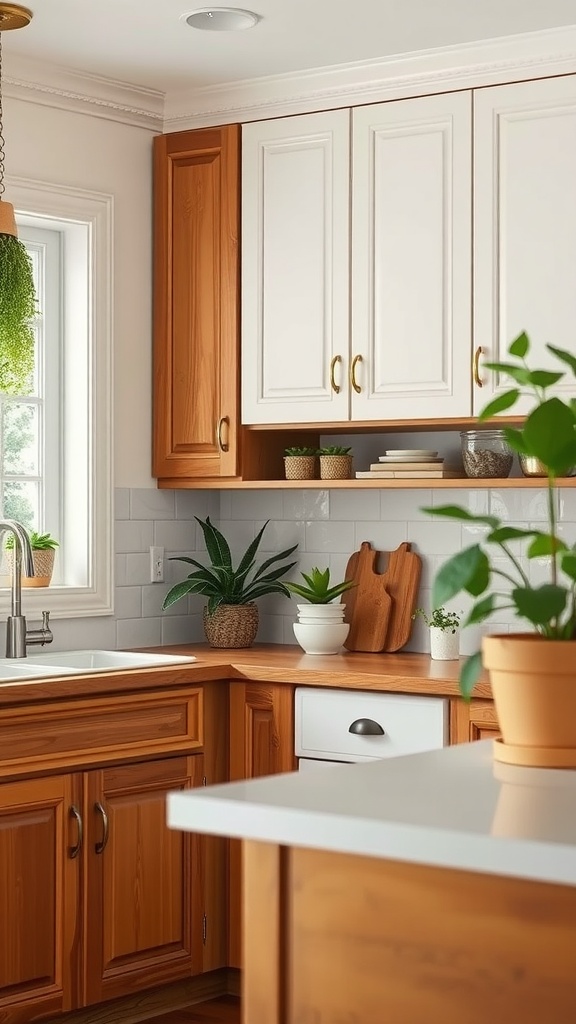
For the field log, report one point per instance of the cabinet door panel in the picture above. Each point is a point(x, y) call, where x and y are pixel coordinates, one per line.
point(144, 921)
point(295, 201)
point(525, 224)
point(39, 897)
point(411, 258)
point(196, 358)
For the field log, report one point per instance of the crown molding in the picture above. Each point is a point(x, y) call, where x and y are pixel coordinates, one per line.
point(67, 89)
point(446, 69)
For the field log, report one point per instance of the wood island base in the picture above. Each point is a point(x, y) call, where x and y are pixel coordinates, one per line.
point(331, 938)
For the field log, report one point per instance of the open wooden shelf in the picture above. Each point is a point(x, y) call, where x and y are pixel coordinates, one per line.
point(414, 482)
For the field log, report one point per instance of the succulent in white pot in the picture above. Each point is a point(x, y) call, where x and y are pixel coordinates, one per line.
point(320, 628)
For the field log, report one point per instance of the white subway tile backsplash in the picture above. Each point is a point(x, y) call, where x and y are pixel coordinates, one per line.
point(475, 501)
point(127, 602)
point(399, 505)
point(382, 536)
point(122, 503)
point(182, 629)
point(177, 536)
point(306, 505)
point(515, 505)
point(197, 503)
point(279, 536)
point(152, 597)
point(256, 505)
point(133, 535)
point(352, 505)
point(435, 537)
point(137, 571)
point(567, 504)
point(238, 533)
point(149, 504)
point(139, 633)
point(329, 536)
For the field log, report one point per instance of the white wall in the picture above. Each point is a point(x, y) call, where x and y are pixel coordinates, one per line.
point(83, 151)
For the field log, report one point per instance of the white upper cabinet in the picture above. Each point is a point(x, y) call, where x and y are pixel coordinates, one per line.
point(411, 258)
point(295, 252)
point(524, 225)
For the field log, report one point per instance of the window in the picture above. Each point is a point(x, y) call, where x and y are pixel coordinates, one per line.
point(55, 440)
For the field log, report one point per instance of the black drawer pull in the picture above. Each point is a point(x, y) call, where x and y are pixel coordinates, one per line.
point(366, 727)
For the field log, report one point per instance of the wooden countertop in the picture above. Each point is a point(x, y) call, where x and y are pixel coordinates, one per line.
point(403, 672)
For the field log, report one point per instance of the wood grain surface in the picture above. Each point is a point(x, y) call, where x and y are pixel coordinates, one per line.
point(380, 606)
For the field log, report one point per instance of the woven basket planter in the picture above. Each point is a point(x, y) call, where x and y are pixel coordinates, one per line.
point(300, 467)
point(231, 625)
point(43, 559)
point(335, 467)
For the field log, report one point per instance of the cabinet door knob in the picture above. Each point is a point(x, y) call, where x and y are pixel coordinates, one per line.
point(476, 368)
point(75, 850)
point(223, 445)
point(335, 387)
point(101, 846)
point(353, 381)
point(366, 727)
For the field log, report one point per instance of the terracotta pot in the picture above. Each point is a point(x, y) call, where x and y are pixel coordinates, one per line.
point(533, 681)
point(231, 625)
point(300, 467)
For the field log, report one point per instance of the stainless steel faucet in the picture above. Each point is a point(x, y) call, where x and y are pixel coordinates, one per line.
point(17, 635)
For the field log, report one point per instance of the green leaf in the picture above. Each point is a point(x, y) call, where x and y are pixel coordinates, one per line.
point(545, 378)
point(564, 356)
point(178, 591)
point(549, 433)
point(469, 674)
point(276, 558)
point(248, 556)
point(465, 568)
point(545, 544)
point(504, 533)
point(520, 346)
point(457, 512)
point(256, 590)
point(515, 439)
point(568, 563)
point(216, 544)
point(540, 605)
point(518, 373)
point(499, 404)
point(481, 610)
point(275, 574)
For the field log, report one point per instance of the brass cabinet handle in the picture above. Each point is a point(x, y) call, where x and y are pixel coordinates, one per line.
point(101, 846)
point(223, 446)
point(355, 361)
point(475, 368)
point(335, 387)
point(73, 851)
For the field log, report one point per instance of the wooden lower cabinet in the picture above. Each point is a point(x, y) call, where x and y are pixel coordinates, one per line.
point(473, 720)
point(39, 896)
point(261, 743)
point(143, 916)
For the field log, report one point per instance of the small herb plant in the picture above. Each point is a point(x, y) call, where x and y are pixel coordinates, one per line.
point(300, 451)
point(220, 582)
point(319, 590)
point(549, 434)
point(440, 619)
point(38, 541)
point(335, 449)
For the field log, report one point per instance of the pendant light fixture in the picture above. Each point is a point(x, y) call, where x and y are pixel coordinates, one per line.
point(18, 306)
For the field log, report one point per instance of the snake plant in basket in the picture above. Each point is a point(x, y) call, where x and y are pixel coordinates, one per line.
point(231, 615)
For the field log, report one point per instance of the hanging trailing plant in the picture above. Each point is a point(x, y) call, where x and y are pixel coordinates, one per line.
point(18, 305)
point(17, 312)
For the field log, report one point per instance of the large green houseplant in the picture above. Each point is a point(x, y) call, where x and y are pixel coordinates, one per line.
point(549, 610)
point(231, 616)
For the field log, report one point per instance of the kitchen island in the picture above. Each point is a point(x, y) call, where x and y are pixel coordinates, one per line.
point(435, 887)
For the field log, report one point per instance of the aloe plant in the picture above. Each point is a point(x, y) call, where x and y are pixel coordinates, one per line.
point(319, 590)
point(220, 582)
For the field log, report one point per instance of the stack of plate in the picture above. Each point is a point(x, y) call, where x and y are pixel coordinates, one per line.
point(409, 455)
point(403, 463)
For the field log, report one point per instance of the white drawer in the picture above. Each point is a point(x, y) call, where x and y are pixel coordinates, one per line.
point(409, 724)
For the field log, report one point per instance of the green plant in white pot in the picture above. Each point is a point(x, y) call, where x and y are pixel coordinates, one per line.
point(444, 629)
point(320, 628)
point(533, 675)
point(231, 615)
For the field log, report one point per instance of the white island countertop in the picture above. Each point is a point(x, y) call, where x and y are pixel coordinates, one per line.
point(453, 808)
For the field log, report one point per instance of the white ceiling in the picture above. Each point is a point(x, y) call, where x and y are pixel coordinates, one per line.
point(146, 43)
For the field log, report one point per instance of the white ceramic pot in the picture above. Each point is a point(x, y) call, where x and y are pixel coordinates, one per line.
point(321, 628)
point(444, 644)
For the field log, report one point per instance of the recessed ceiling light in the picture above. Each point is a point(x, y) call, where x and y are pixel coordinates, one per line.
point(221, 19)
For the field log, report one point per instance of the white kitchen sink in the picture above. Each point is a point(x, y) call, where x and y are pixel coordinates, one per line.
point(54, 663)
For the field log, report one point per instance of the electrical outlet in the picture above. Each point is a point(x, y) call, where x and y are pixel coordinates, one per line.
point(156, 564)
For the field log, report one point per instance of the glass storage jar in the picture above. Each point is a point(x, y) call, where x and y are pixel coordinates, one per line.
point(486, 453)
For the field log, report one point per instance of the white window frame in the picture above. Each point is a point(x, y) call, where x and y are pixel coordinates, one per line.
point(93, 357)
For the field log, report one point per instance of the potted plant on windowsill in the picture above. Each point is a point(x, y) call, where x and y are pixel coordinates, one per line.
point(532, 674)
point(43, 553)
point(444, 629)
point(320, 628)
point(231, 615)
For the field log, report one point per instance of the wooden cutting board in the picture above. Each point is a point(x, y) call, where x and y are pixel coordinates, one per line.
point(380, 607)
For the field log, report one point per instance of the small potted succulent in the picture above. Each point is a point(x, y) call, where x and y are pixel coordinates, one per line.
point(231, 615)
point(335, 463)
point(444, 629)
point(43, 553)
point(320, 628)
point(300, 463)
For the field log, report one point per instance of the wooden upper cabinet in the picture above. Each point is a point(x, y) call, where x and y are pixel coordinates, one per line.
point(143, 923)
point(39, 897)
point(525, 226)
point(196, 298)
